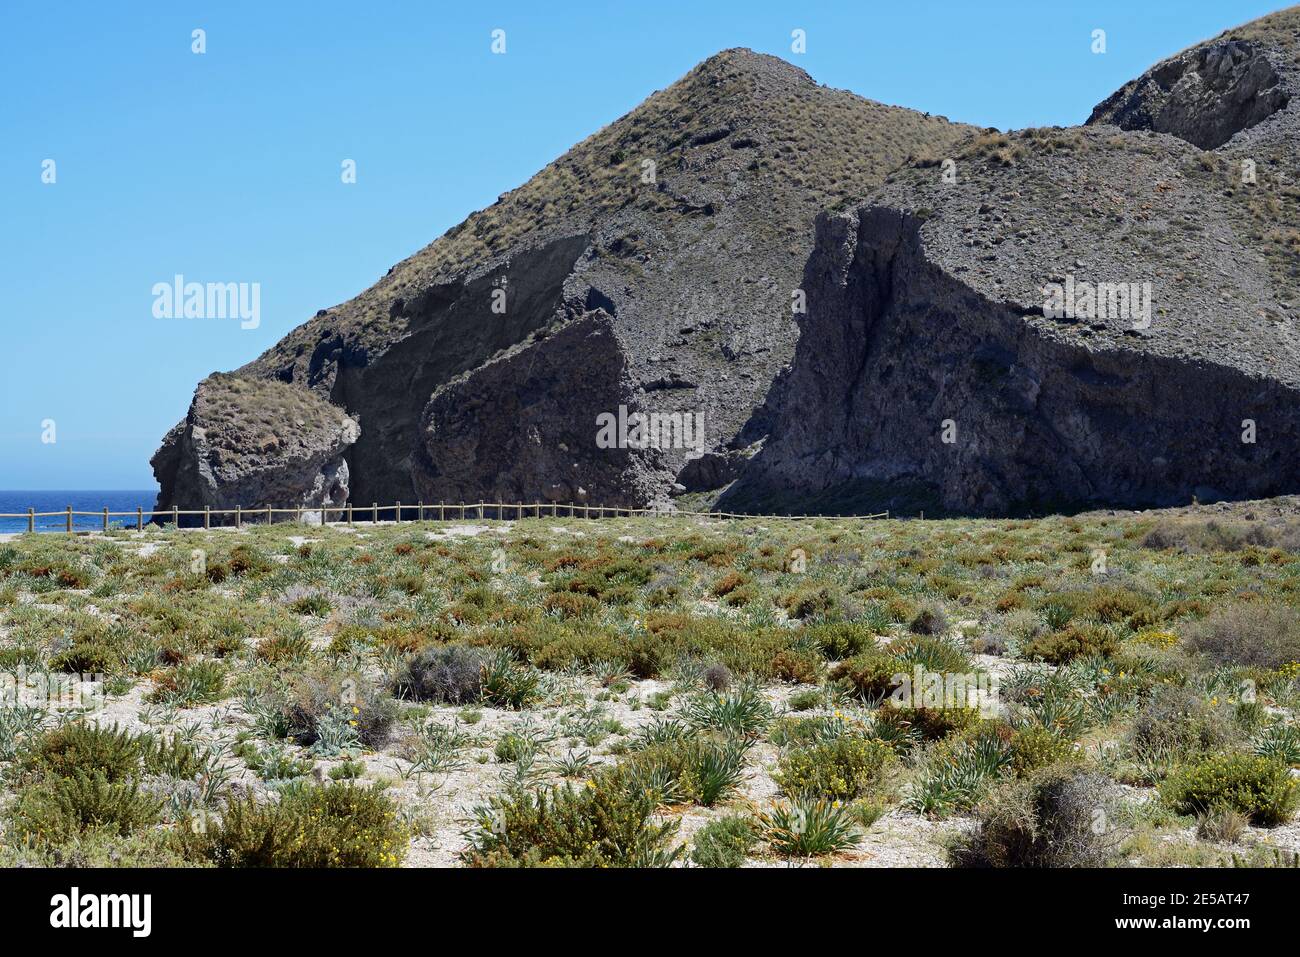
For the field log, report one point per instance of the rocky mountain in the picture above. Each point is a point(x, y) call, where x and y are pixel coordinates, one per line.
point(758, 291)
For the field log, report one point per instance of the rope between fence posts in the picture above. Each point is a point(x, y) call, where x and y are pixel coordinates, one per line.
point(480, 506)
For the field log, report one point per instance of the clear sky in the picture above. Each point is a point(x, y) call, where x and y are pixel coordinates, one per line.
point(225, 166)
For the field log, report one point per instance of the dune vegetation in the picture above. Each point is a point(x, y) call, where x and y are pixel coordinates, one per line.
point(1099, 690)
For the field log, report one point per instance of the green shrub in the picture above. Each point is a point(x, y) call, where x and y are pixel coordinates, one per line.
point(840, 770)
point(508, 684)
point(605, 823)
point(725, 842)
point(930, 620)
point(315, 604)
point(955, 774)
point(1177, 721)
point(190, 684)
point(702, 770)
point(935, 654)
point(81, 748)
point(172, 756)
point(930, 724)
point(841, 639)
point(870, 675)
point(572, 605)
point(1072, 641)
point(1034, 747)
point(808, 601)
point(331, 825)
point(1256, 786)
point(335, 711)
point(85, 658)
point(806, 700)
point(797, 665)
point(743, 712)
point(57, 809)
point(579, 648)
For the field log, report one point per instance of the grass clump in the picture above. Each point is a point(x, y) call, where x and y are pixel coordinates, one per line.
point(605, 823)
point(810, 827)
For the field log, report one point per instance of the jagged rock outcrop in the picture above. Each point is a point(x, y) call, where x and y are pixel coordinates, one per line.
point(525, 414)
point(255, 443)
point(1204, 96)
point(994, 323)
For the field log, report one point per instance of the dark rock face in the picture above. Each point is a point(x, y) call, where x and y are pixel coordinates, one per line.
point(522, 428)
point(912, 391)
point(450, 329)
point(261, 443)
point(1204, 96)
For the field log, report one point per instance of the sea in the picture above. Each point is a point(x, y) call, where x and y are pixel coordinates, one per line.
point(81, 501)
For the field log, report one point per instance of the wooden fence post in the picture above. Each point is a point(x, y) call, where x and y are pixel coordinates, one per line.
point(420, 513)
point(442, 511)
point(69, 519)
point(374, 510)
point(270, 517)
point(176, 516)
point(207, 516)
point(139, 519)
point(349, 513)
point(31, 519)
point(239, 516)
point(397, 514)
point(105, 518)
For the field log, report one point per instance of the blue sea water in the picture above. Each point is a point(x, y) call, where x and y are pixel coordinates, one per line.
point(81, 501)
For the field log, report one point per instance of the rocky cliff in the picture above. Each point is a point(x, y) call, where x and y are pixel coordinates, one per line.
point(255, 442)
point(860, 305)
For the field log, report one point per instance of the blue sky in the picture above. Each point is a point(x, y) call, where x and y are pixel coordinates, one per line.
point(225, 166)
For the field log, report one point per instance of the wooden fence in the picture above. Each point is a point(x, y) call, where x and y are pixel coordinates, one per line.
point(347, 514)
